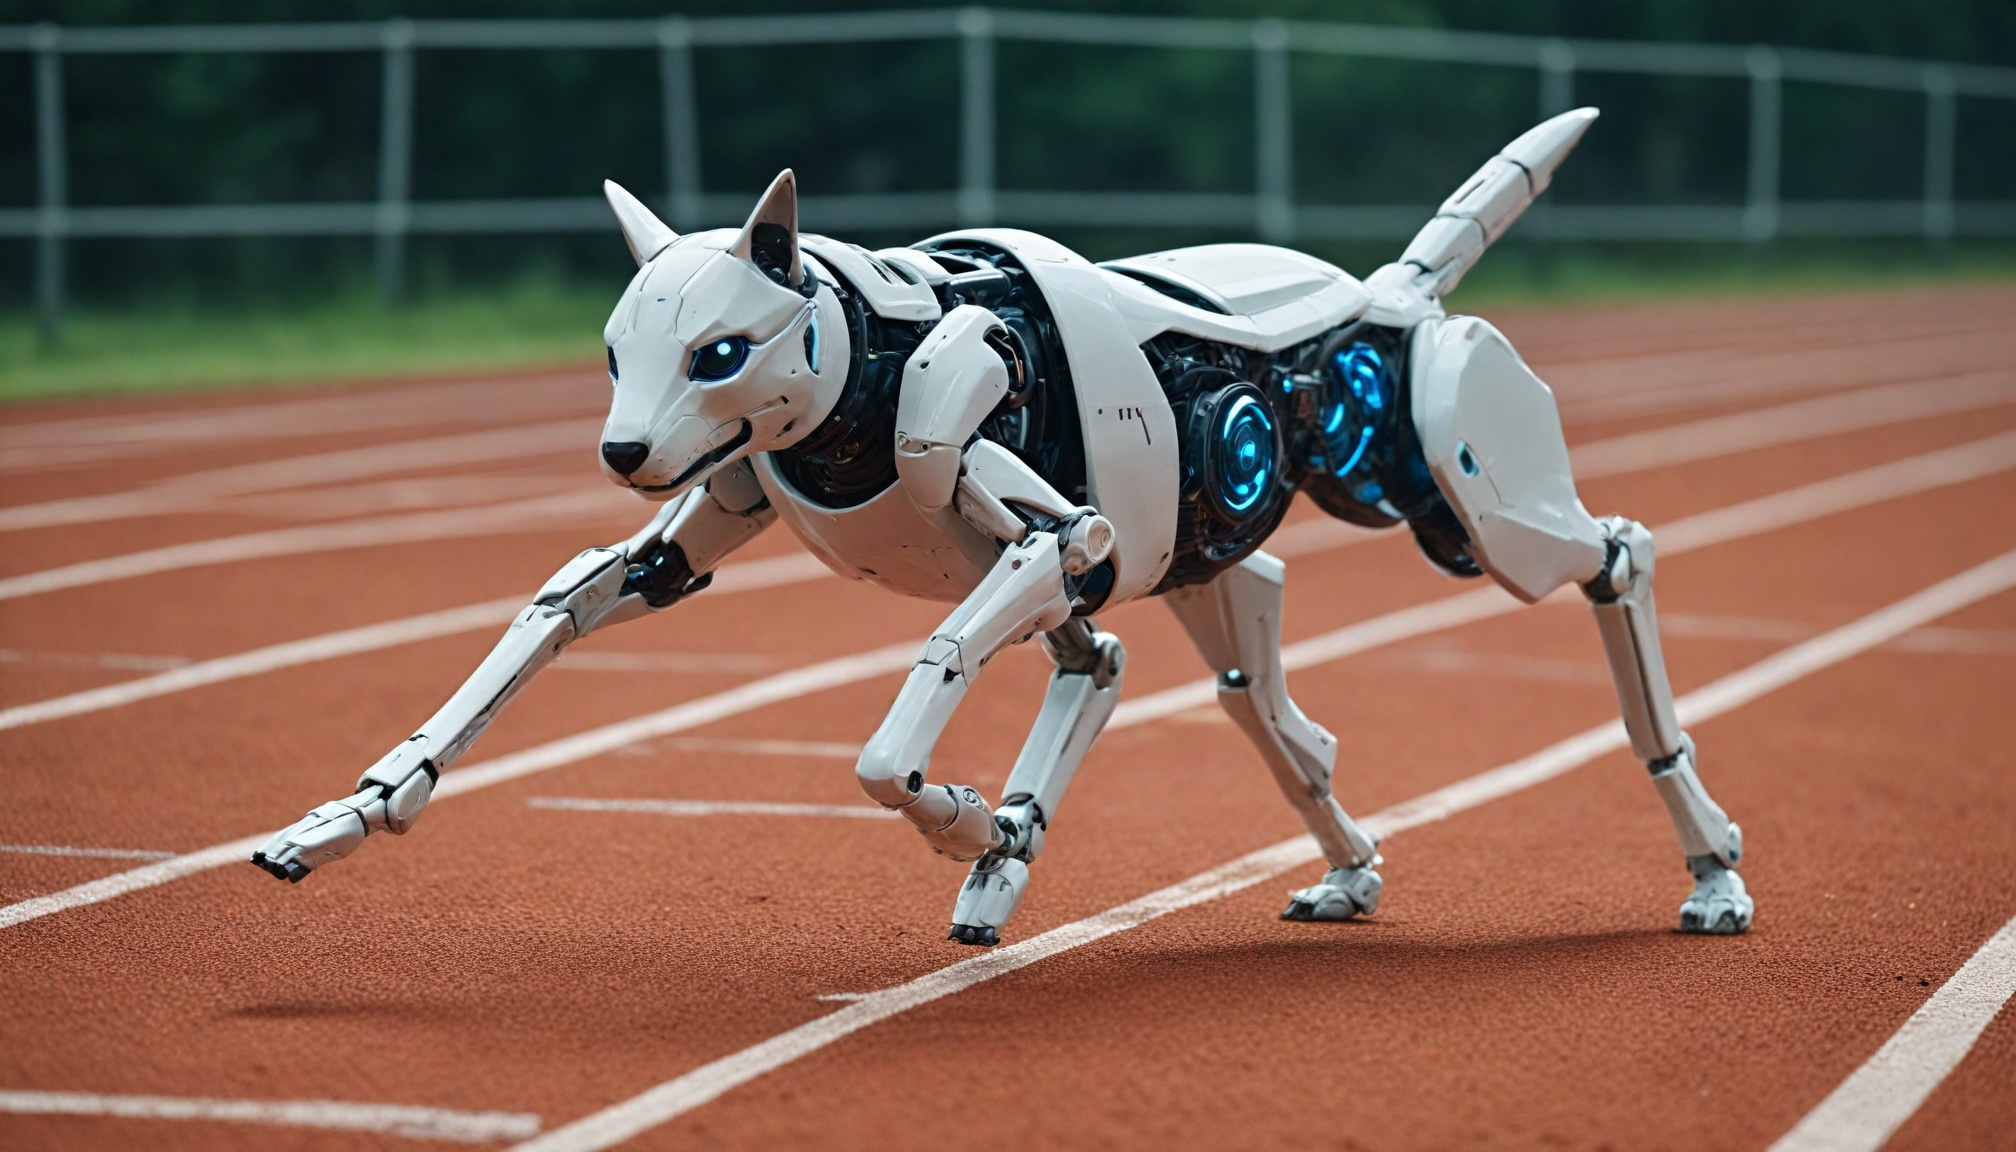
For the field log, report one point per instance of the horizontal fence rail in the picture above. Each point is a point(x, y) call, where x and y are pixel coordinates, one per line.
point(1270, 210)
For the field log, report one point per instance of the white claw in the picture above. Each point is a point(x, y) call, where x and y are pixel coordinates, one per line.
point(327, 833)
point(1342, 894)
point(1719, 906)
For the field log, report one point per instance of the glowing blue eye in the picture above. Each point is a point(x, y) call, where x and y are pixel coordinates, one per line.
point(719, 359)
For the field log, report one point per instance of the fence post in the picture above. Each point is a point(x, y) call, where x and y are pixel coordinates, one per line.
point(52, 171)
point(395, 158)
point(976, 117)
point(1557, 78)
point(1760, 212)
point(682, 121)
point(1941, 126)
point(1273, 134)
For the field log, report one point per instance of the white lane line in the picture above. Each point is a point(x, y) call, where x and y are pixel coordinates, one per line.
point(1956, 465)
point(543, 514)
point(1503, 665)
point(1782, 509)
point(176, 493)
point(744, 576)
point(1867, 1109)
point(679, 718)
point(673, 1098)
point(710, 808)
point(1747, 378)
point(1931, 639)
point(91, 853)
point(1959, 642)
point(1795, 422)
point(328, 646)
point(812, 749)
point(567, 750)
point(673, 661)
point(50, 443)
point(122, 661)
point(464, 489)
point(388, 1119)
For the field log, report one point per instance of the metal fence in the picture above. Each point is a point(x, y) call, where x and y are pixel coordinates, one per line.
point(1270, 209)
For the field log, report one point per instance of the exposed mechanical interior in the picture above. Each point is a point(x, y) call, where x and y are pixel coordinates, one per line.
point(1327, 416)
point(1038, 419)
point(851, 456)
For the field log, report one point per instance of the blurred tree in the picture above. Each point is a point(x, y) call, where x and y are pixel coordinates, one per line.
point(875, 118)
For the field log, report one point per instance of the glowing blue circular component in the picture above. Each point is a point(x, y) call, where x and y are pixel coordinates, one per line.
point(1364, 372)
point(1360, 392)
point(1245, 460)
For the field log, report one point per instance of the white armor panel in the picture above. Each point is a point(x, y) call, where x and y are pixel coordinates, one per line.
point(1130, 433)
point(1265, 298)
point(887, 294)
point(1492, 438)
point(950, 384)
point(887, 541)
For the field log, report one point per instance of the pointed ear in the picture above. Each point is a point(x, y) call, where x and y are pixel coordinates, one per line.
point(643, 232)
point(770, 239)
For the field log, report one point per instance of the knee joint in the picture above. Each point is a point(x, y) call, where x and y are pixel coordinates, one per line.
point(1627, 562)
point(886, 777)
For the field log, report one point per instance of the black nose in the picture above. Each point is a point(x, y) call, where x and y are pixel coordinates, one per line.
point(625, 456)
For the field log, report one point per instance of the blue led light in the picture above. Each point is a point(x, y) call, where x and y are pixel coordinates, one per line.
point(1359, 395)
point(1364, 372)
point(1358, 453)
point(1245, 463)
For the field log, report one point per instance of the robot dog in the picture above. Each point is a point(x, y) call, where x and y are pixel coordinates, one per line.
point(989, 420)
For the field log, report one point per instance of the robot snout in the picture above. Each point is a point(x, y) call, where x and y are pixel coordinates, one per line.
point(625, 456)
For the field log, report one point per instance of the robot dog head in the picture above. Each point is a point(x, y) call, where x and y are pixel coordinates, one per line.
point(725, 344)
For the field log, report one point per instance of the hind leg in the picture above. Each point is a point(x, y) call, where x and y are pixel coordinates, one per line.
point(1082, 695)
point(1235, 621)
point(1621, 597)
point(1491, 436)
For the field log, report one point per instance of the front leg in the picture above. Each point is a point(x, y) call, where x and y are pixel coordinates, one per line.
point(671, 558)
point(1049, 547)
point(1022, 595)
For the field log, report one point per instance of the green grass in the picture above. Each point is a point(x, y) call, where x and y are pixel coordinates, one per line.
point(143, 350)
point(545, 320)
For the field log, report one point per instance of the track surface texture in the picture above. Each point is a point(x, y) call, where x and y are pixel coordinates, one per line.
point(560, 942)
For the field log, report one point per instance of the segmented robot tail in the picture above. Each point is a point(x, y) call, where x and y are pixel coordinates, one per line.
point(1487, 203)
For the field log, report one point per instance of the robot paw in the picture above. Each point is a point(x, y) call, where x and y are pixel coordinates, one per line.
point(1719, 905)
point(291, 871)
point(1342, 894)
point(976, 934)
point(327, 833)
point(992, 892)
